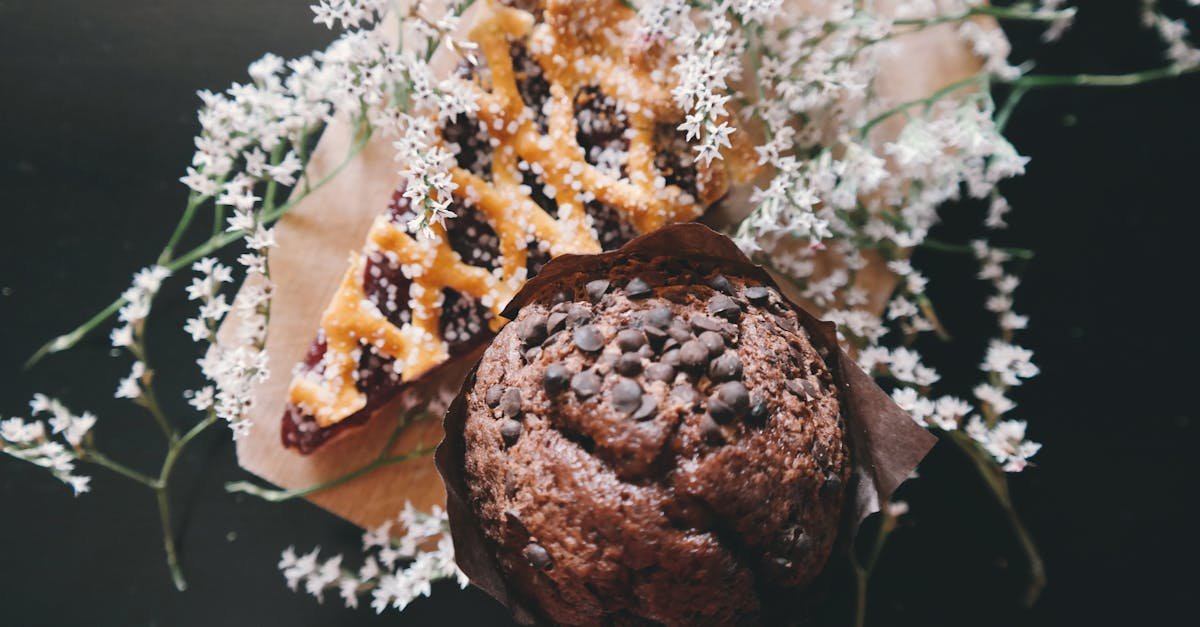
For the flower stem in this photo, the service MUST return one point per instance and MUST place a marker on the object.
(94, 456)
(1102, 80)
(276, 496)
(168, 534)
(930, 314)
(162, 495)
(69, 340)
(150, 402)
(863, 569)
(974, 79)
(1022, 85)
(1002, 13)
(997, 484)
(189, 212)
(946, 247)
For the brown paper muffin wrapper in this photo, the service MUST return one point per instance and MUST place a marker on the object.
(885, 444)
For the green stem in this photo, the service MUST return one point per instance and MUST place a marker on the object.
(1035, 81)
(1002, 13)
(1006, 110)
(1023, 84)
(69, 340)
(930, 314)
(863, 570)
(218, 220)
(96, 457)
(189, 212)
(927, 101)
(65, 341)
(273, 185)
(998, 485)
(276, 496)
(946, 247)
(168, 533)
(162, 495)
(150, 402)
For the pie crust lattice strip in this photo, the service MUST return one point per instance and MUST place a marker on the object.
(573, 149)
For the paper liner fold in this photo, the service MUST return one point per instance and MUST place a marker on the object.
(885, 443)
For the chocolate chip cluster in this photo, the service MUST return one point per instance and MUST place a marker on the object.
(655, 346)
(629, 431)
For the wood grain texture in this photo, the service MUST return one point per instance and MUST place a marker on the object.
(315, 240)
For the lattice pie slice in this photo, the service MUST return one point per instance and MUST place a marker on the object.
(574, 150)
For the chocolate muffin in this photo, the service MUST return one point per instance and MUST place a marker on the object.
(660, 445)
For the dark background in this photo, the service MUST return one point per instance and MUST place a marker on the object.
(96, 124)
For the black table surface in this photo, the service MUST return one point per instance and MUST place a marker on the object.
(96, 121)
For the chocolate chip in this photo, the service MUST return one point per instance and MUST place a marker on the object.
(757, 294)
(532, 354)
(655, 335)
(684, 393)
(701, 324)
(693, 354)
(785, 323)
(629, 340)
(629, 364)
(680, 333)
(647, 410)
(721, 284)
(710, 430)
(646, 351)
(492, 398)
(510, 431)
(513, 518)
(713, 342)
(588, 338)
(671, 357)
(578, 314)
(801, 387)
(532, 330)
(659, 317)
(561, 297)
(510, 403)
(729, 401)
(832, 486)
(735, 395)
(626, 396)
(660, 372)
(724, 307)
(554, 337)
(585, 383)
(720, 410)
(537, 556)
(637, 288)
(725, 368)
(556, 378)
(596, 289)
(555, 322)
(758, 410)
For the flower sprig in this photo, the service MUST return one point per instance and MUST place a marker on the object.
(31, 442)
(395, 570)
